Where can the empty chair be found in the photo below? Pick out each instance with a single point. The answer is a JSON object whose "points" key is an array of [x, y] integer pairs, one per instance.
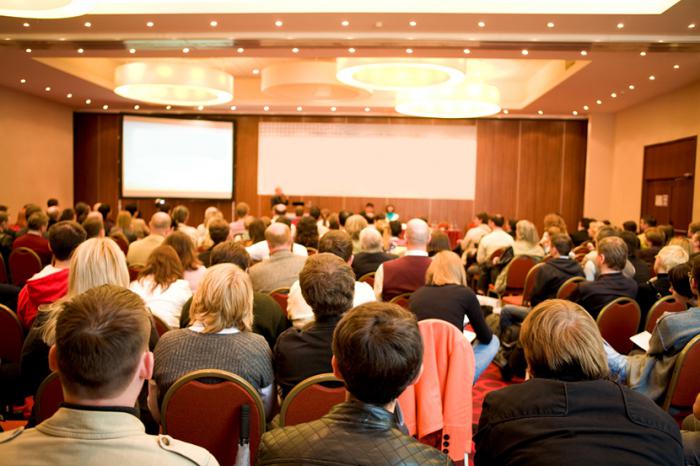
{"points": [[665, 304], [568, 287], [311, 399], [204, 408], [48, 398], [24, 263], [618, 321], [524, 299], [685, 383]]}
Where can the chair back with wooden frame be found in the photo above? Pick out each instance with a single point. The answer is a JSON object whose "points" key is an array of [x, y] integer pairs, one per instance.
{"points": [[281, 295], [209, 414], [49, 397], [685, 383], [402, 300], [524, 299], [24, 263], [311, 399], [11, 336], [618, 321], [160, 325], [134, 272], [569, 287], [665, 304], [368, 278]]}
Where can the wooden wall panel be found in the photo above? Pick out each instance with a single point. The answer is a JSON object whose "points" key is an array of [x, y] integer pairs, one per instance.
{"points": [[573, 172]]}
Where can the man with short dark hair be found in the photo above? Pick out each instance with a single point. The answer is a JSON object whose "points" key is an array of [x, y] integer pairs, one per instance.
{"points": [[327, 285], [610, 283], [377, 351], [102, 359], [493, 241], [642, 271], [37, 224], [580, 236], [94, 225], [475, 233], [219, 231], [368, 213], [283, 266], [51, 283], [646, 222]]}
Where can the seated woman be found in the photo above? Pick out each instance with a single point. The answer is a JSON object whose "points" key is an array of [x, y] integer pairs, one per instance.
{"points": [[184, 247], [446, 296], [161, 285], [680, 285], [569, 412], [526, 244], [307, 232], [219, 338]]}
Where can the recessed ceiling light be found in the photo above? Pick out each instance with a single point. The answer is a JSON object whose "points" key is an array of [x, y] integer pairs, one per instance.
{"points": [[620, 25], [367, 109], [137, 106], [256, 71], [584, 53], [300, 108], [47, 88], [200, 107], [642, 53], [691, 26], [550, 24], [240, 50], [87, 24], [26, 25], [524, 51], [613, 95], [213, 23], [652, 77], [333, 109], [132, 50], [295, 50], [412, 24], [345, 23], [186, 50], [233, 107], [81, 50], [28, 50], [467, 51], [266, 108], [279, 23], [630, 87], [409, 51], [481, 24], [675, 67], [22, 81], [660, 41], [352, 50], [540, 112], [150, 24], [105, 107], [88, 101], [69, 96], [506, 111], [168, 107], [598, 101], [586, 107], [574, 113]]}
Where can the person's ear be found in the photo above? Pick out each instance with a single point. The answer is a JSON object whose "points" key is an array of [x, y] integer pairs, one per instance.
{"points": [[53, 359], [336, 370], [146, 366], [352, 258]]}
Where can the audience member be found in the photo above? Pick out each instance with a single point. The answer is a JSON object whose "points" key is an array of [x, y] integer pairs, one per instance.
{"points": [[260, 250], [33, 239], [160, 227], [123, 226], [256, 231], [94, 225], [316, 214], [655, 240], [138, 224], [446, 296], [371, 253], [353, 226], [183, 245], [180, 216], [590, 265], [282, 268], [377, 352], [645, 223], [53, 213], [475, 233], [571, 398], [668, 231], [642, 271], [340, 244], [218, 231], [659, 286], [238, 226], [307, 233], [630, 225], [439, 241], [405, 274], [81, 211], [611, 283], [327, 285], [581, 236], [526, 244], [203, 240], [493, 241], [7, 236], [104, 210], [680, 285], [691, 435], [161, 285], [683, 242], [51, 283]]}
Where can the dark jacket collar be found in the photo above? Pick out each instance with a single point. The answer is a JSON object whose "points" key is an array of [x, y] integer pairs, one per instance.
{"points": [[364, 415]]}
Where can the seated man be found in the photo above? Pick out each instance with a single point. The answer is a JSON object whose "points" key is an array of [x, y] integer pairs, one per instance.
{"points": [[34, 237], [94, 225], [377, 352], [659, 286], [102, 359], [51, 283], [283, 267], [261, 250], [340, 244], [327, 285], [610, 284], [371, 254], [568, 412], [160, 227], [219, 231]]}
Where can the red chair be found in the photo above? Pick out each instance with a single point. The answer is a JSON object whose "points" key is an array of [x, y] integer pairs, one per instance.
{"points": [[618, 321], [568, 287], [121, 242], [281, 295], [160, 325], [11, 336], [665, 304], [311, 251], [48, 397], [530, 279], [3, 270], [311, 399], [368, 278], [685, 383], [209, 414], [24, 263], [518, 268], [402, 300], [134, 273]]}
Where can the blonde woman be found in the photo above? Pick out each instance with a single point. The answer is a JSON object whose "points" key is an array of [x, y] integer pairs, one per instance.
{"points": [[123, 226], [220, 337], [446, 296], [525, 245], [353, 226]]}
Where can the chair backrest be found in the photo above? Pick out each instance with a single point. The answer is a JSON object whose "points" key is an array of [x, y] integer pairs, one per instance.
{"points": [[618, 321], [530, 279], [160, 325], [134, 272], [401, 300], [123, 245], [497, 253], [209, 414], [368, 278], [568, 287], [281, 295], [311, 399], [23, 264], [3, 270], [11, 336], [311, 251], [49, 397], [518, 269], [665, 304], [685, 383]]}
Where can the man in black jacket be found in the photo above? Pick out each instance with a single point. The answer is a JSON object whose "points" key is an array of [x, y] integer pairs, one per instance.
{"points": [[377, 352]]}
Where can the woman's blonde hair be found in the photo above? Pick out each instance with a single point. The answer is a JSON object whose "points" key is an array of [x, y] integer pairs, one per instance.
{"points": [[526, 231], [555, 220], [446, 269], [354, 225], [560, 338], [224, 299], [124, 220]]}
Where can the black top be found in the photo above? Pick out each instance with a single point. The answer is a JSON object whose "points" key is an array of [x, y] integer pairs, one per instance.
{"points": [[593, 296], [551, 276], [642, 270], [299, 354], [650, 292], [579, 237], [450, 303], [368, 262]]}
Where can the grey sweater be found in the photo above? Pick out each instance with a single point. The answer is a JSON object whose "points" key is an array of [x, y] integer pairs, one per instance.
{"points": [[182, 351]]}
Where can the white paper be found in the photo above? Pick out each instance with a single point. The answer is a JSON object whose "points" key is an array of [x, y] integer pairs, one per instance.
{"points": [[642, 340], [471, 336]]}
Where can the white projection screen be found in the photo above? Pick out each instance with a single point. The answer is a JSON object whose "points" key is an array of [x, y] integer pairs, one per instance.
{"points": [[368, 160], [169, 157]]}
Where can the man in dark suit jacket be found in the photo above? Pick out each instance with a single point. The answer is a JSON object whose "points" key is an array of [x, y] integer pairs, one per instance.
{"points": [[371, 255], [558, 269], [34, 238], [610, 283]]}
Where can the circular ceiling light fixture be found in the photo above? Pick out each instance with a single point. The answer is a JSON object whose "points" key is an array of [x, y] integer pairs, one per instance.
{"points": [[45, 9], [307, 80], [173, 83], [467, 100], [398, 74]]}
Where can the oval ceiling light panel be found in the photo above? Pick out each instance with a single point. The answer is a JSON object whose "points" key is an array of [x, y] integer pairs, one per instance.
{"points": [[468, 100], [307, 80], [45, 9], [173, 83], [396, 74]]}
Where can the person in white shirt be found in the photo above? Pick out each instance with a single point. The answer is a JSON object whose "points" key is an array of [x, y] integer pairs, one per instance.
{"points": [[180, 216], [493, 241], [260, 251], [334, 242], [474, 235]]}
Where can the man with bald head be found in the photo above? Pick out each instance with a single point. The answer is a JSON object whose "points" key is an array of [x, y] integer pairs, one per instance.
{"points": [[283, 267], [405, 274], [139, 251]]}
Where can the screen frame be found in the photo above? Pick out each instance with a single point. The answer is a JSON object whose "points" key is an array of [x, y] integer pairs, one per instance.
{"points": [[213, 118]]}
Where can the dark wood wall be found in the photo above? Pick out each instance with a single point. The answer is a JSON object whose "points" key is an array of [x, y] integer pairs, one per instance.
{"points": [[525, 169]]}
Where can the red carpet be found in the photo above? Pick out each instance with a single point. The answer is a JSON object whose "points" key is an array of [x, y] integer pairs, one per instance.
{"points": [[490, 380]]}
